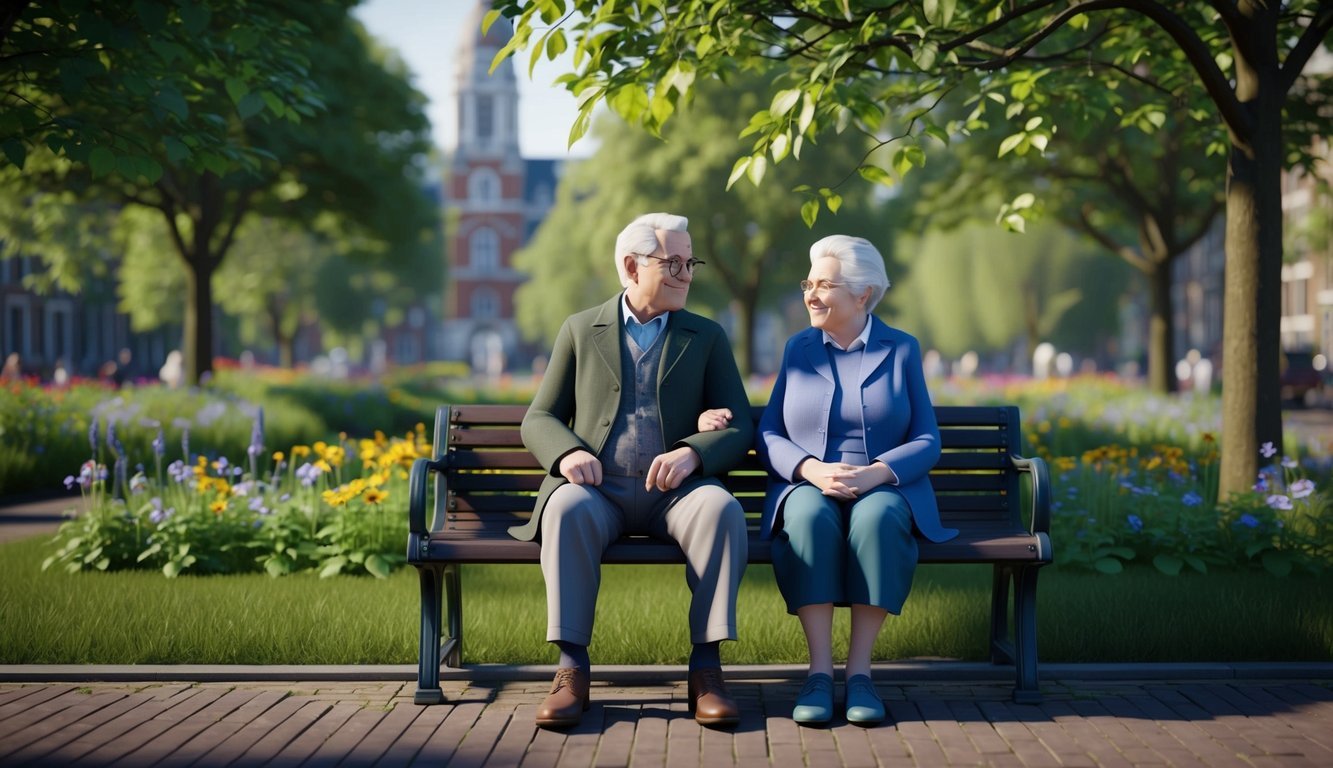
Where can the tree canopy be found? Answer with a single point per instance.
(880, 70)
(351, 171)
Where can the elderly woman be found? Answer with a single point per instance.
(848, 437)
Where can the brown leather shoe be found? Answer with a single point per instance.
(568, 700)
(709, 700)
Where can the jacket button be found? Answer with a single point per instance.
(606, 422)
(615, 387)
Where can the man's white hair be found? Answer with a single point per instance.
(640, 239)
(862, 266)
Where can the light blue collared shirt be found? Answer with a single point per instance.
(644, 334)
(858, 343)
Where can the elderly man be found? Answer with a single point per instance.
(614, 422)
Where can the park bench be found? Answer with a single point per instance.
(485, 480)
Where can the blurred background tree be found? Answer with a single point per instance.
(340, 151)
(752, 238)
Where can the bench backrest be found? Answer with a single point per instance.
(491, 478)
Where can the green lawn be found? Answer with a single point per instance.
(143, 618)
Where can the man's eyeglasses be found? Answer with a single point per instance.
(675, 264)
(822, 287)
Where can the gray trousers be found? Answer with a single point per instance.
(580, 521)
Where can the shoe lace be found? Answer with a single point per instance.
(816, 684)
(564, 678)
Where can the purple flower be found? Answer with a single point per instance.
(179, 471)
(113, 440)
(1191, 499)
(1248, 520)
(1288, 462)
(1278, 501)
(257, 505)
(185, 441)
(160, 444)
(1267, 450)
(308, 474)
(1262, 485)
(69, 481)
(1302, 488)
(1135, 523)
(92, 434)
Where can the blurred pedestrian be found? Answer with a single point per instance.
(13, 370)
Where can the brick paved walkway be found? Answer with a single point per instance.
(1253, 723)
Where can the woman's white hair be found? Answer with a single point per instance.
(862, 266)
(640, 239)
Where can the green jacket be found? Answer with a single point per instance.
(578, 398)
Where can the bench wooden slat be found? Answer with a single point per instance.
(532, 480)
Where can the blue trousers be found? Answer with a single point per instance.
(860, 552)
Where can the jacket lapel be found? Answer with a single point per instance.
(679, 332)
(878, 347)
(606, 337)
(817, 355)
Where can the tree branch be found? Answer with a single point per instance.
(1309, 42)
(1125, 252)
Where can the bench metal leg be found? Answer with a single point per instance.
(428, 662)
(1001, 652)
(453, 591)
(1026, 690)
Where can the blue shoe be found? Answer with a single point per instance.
(815, 704)
(863, 704)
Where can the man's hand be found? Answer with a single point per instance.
(670, 469)
(844, 481)
(714, 419)
(581, 468)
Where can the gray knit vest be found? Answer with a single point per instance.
(636, 434)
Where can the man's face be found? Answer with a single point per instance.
(652, 284)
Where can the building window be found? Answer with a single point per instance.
(18, 331)
(485, 304)
(483, 186)
(485, 117)
(484, 251)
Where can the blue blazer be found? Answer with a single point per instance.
(900, 426)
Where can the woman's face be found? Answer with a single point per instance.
(832, 306)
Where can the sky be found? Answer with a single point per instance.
(426, 34)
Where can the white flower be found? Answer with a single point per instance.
(1267, 450)
(1288, 462)
(1302, 488)
(1278, 501)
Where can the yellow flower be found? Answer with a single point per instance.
(300, 450)
(375, 495)
(323, 466)
(218, 507)
(333, 497)
(278, 456)
(376, 480)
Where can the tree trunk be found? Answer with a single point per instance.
(1161, 344)
(745, 306)
(198, 331)
(1251, 409)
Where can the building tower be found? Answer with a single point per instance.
(485, 205)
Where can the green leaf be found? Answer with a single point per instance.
(737, 170)
(195, 17)
(758, 166)
(938, 133)
(924, 55)
(1024, 200)
(1168, 564)
(15, 152)
(277, 566)
(1032, 124)
(1277, 562)
(378, 566)
(780, 146)
(833, 200)
(783, 102)
(251, 105)
(874, 173)
(1108, 565)
(1014, 222)
(809, 212)
(581, 124)
(332, 567)
(630, 102)
(236, 89)
(171, 570)
(171, 100)
(102, 161)
(556, 45)
(1010, 143)
(807, 113)
(489, 19)
(1197, 563)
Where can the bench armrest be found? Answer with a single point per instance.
(416, 507)
(1041, 491)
